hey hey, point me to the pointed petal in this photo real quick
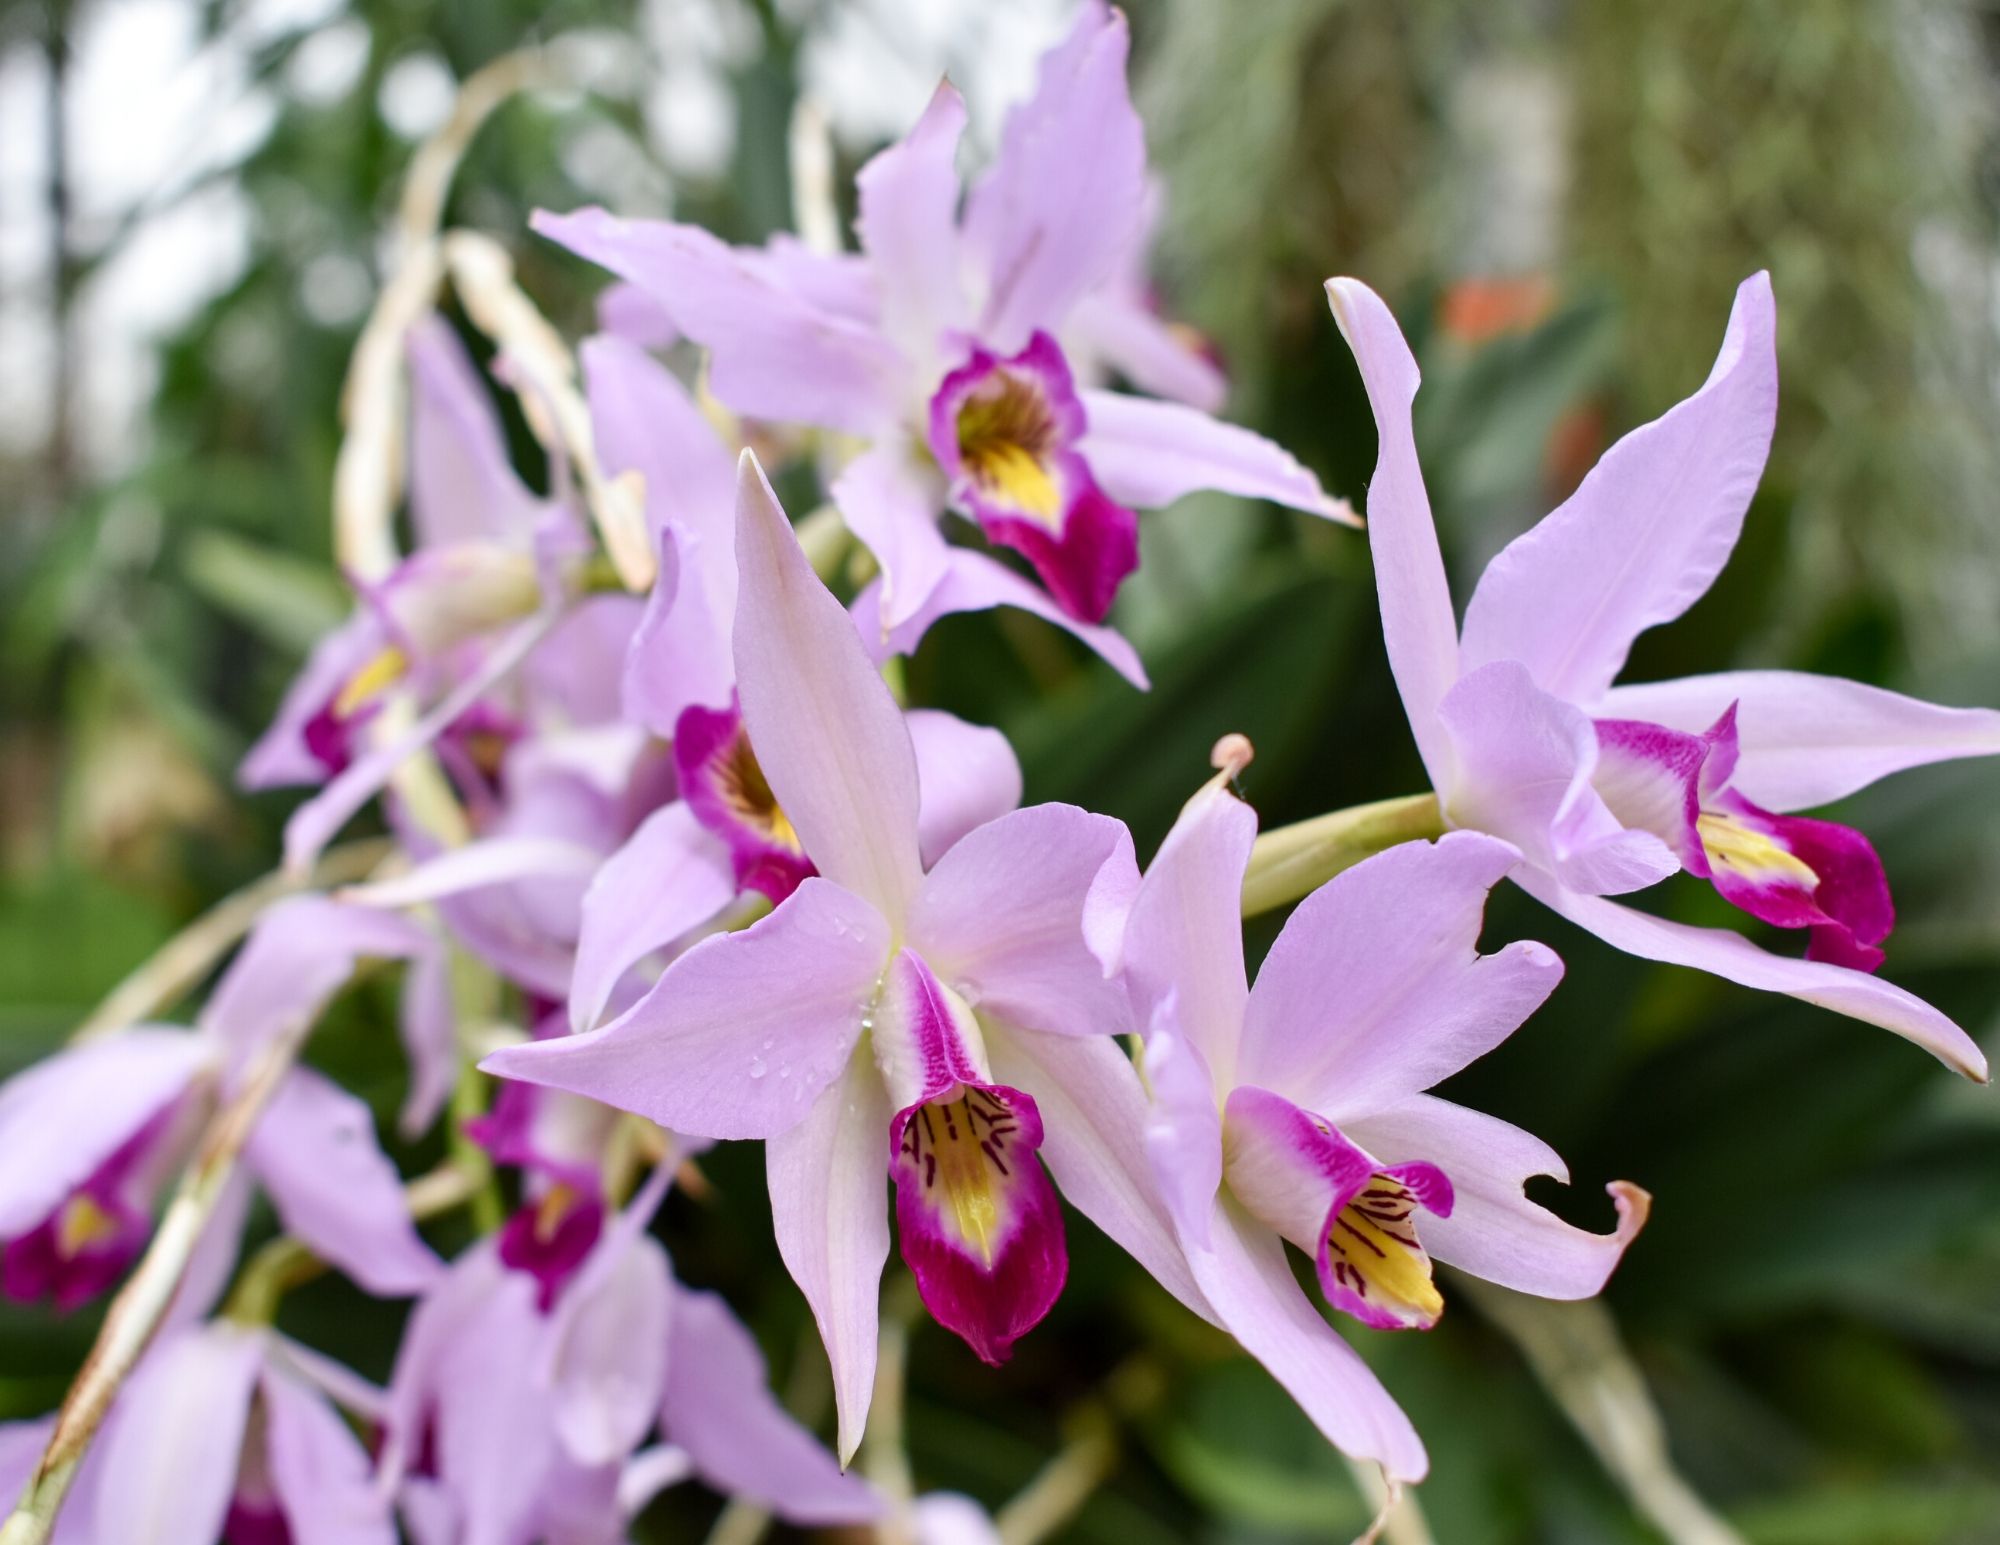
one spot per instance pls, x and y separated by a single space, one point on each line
174 1476
828 734
1376 988
428 1025
1735 959
1524 765
773 354
893 506
740 1033
1493 1230
1002 918
908 225
719 1407
315 1152
323 1477
1246 1276
830 1211
643 420
609 1352
1147 350
1148 453
669 878
974 582
1645 535
1809 740
463 487
490 861
1066 195
1094 1117
63 1118
1185 934
1417 619
679 656
967 775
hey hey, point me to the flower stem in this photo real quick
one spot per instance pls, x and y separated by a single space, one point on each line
1293 861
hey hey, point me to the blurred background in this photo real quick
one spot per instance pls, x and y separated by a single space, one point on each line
1558 198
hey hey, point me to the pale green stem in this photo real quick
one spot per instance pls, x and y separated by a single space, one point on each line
1294 861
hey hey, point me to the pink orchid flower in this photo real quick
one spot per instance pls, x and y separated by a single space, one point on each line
943 348
1608 789
950 1026
1295 1110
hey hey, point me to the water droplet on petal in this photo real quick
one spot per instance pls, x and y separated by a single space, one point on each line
756 1067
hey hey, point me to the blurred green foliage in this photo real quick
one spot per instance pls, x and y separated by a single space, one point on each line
1817 1300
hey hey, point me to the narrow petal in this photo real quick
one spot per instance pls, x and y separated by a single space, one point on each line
322 1476
668 879
63 1118
893 506
1002 919
1524 763
1066 195
772 353
1647 532
974 582
463 487
1185 934
428 1025
719 1407
1148 453
908 225
830 1212
609 1352
828 734
680 656
501 860
1150 352
1809 740
1736 959
315 1152
174 1476
740 1033
1418 624
1246 1276
967 775
1183 1125
1493 1230
1376 988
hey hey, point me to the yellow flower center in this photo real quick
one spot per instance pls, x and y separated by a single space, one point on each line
1004 434
81 1224
742 783
1375 1253
957 1145
1745 851
382 671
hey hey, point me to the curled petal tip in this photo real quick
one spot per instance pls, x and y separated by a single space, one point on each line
1232 754
1342 512
1635 1206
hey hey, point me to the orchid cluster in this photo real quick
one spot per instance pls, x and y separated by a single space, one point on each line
711 880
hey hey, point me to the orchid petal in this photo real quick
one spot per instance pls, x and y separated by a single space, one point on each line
321 1474
967 775
773 354
830 1211
609 1359
463 487
1148 454
284 754
1647 532
314 1150
1185 934
908 225
1376 988
1246 1276
718 1406
1524 763
496 1446
1184 1129
174 1476
827 733
1064 199
478 865
1147 350
1493 1230
974 582
63 1118
947 1518
212 1263
668 879
783 998
679 657
1418 624
428 1025
1809 740
892 506
1735 959
1002 919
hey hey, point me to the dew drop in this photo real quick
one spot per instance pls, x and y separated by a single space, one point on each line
757 1067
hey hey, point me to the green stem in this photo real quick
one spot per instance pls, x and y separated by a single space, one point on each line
1294 861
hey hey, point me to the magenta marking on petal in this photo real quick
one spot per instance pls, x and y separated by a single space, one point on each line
1797 872
728 793
550 1237
255 1523
1650 778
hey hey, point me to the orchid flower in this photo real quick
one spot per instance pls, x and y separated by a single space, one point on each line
942 351
1607 789
949 1025
521 1400
89 1137
1295 1110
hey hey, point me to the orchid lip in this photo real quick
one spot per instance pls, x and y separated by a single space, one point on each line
726 790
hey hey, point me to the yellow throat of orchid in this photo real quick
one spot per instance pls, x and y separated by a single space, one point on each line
1375 1252
949 1140
1004 431
1742 850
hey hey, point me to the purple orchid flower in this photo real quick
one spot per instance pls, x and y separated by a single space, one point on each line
1294 1110
517 1415
1608 789
943 349
949 1025
89 1137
